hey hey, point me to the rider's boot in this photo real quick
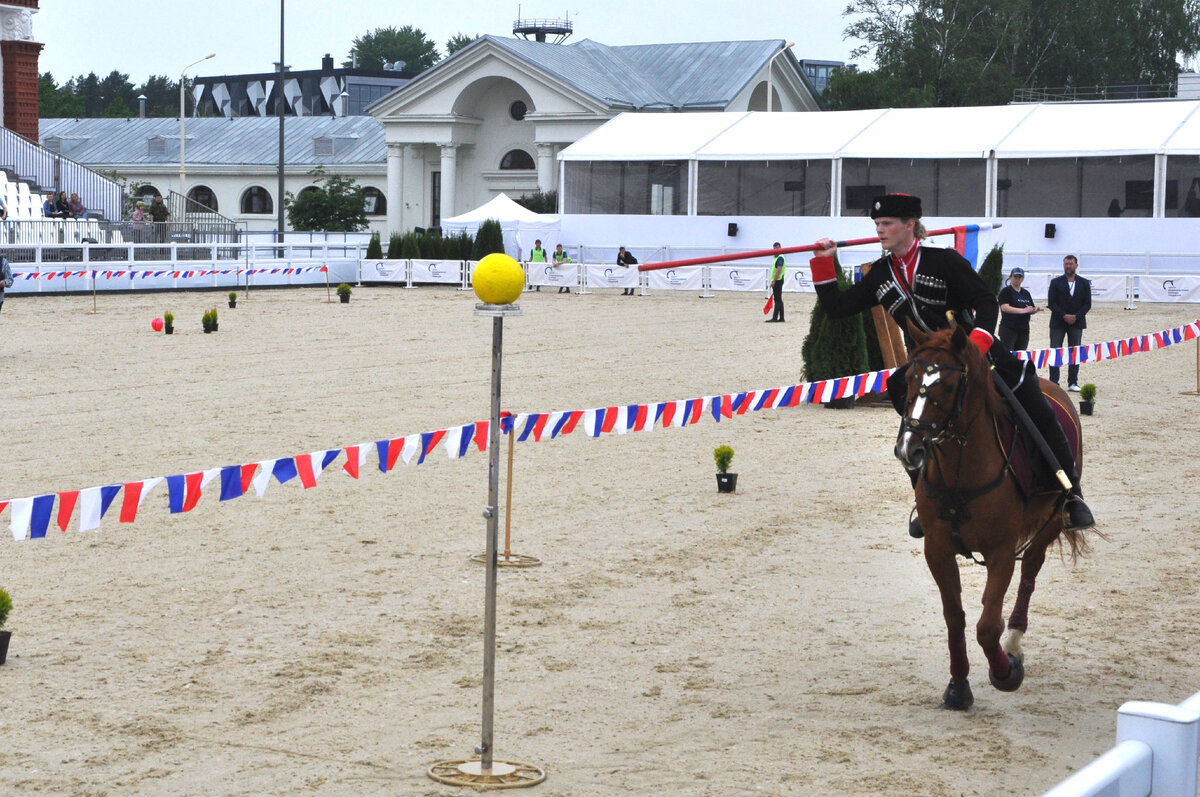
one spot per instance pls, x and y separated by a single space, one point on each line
1079 516
914 520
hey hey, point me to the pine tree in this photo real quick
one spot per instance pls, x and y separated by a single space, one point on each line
488 239
992 270
374 250
832 347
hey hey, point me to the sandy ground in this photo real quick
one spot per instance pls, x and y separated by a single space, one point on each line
784 640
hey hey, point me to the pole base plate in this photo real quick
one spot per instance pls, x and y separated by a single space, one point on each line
502 775
512 560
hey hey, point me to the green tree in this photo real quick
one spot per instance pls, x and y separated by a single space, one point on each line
374 250
992 269
457 42
410 246
489 238
540 201
116 90
395 244
407 44
337 206
57 102
162 96
976 52
832 347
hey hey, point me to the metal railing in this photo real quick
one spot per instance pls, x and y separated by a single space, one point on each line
52 171
1117 91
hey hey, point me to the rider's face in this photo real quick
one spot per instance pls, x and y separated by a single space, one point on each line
895 235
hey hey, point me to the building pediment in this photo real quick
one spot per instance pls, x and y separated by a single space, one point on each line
438 91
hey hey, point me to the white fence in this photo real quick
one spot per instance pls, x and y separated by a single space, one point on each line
1158 747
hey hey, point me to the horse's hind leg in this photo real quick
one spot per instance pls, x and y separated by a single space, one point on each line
1018 621
1005 672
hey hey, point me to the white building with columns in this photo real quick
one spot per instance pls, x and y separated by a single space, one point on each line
493 117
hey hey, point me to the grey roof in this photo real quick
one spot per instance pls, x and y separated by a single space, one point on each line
645 76
239 140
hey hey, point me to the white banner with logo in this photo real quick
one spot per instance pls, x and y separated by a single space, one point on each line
677 279
1169 289
384 271
738 278
798 280
446 271
565 275
612 277
1108 288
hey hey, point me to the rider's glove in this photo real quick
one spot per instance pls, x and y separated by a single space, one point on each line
981 339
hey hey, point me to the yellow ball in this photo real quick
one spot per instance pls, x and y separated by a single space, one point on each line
498 279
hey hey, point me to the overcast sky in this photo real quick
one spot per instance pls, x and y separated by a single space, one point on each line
161 37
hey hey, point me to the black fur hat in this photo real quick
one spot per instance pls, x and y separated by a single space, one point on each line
899 206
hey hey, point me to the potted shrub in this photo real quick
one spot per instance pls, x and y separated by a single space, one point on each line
209 320
1087 398
726 481
233 298
343 292
5 608
169 323
214 318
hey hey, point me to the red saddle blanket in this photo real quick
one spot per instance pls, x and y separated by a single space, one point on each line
1033 474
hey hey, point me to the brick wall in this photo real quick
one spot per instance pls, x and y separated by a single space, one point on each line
21 86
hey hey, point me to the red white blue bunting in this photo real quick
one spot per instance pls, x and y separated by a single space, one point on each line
31 518
147 273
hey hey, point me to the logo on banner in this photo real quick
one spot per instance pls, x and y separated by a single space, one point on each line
674 279
383 271
801 279
1172 291
434 271
737 280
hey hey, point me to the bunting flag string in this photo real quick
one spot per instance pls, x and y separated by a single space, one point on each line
30 518
147 273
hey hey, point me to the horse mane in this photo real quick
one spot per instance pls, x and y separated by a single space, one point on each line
979 377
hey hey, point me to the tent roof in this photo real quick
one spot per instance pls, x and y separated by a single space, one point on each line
1044 130
502 209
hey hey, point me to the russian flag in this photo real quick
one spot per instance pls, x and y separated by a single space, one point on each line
966 242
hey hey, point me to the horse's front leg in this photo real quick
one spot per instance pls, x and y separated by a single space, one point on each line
1004 670
939 556
1018 621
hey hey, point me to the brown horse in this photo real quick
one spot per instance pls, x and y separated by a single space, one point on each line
970 502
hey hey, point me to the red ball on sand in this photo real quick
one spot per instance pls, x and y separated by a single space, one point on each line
156 325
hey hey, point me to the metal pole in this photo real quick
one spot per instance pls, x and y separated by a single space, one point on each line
279 112
489 622
512 433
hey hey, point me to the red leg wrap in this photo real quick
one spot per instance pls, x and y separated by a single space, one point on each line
998 661
959 666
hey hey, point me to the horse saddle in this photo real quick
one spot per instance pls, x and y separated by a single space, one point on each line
1032 473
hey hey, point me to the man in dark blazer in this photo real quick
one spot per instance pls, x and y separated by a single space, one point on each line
1069 299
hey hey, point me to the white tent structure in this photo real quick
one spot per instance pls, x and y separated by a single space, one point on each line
521 226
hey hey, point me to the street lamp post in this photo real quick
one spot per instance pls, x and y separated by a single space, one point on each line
770 70
182 139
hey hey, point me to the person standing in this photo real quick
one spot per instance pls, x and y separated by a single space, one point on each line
6 278
1069 299
158 217
538 255
778 270
561 258
922 285
626 259
1016 305
139 221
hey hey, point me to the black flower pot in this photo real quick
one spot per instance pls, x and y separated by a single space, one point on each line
4 637
726 482
233 304
215 326
1086 407
169 330
345 297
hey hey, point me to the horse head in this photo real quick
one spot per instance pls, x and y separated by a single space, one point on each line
939 370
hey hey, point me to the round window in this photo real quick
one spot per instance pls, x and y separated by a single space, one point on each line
518 110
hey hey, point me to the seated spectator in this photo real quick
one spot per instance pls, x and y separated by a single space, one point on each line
50 208
3 210
75 206
63 206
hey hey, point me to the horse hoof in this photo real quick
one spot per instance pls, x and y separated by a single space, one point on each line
957 696
1012 681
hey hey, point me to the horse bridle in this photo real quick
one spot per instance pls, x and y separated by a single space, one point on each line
940 429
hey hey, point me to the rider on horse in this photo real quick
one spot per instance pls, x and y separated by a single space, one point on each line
922 284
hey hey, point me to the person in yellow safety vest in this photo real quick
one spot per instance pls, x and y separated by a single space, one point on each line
778 270
538 255
561 257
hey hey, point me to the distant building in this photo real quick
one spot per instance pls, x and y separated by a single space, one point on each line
819 72
313 92
19 65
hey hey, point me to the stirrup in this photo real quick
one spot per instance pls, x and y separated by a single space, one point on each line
914 525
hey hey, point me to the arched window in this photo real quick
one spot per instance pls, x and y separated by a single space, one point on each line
146 193
517 159
256 199
203 195
308 189
375 201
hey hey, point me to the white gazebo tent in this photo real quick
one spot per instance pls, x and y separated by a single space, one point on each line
521 226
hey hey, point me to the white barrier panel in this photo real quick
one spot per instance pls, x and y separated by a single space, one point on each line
384 271
1171 289
611 277
564 276
677 279
737 278
1108 287
441 271
798 280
